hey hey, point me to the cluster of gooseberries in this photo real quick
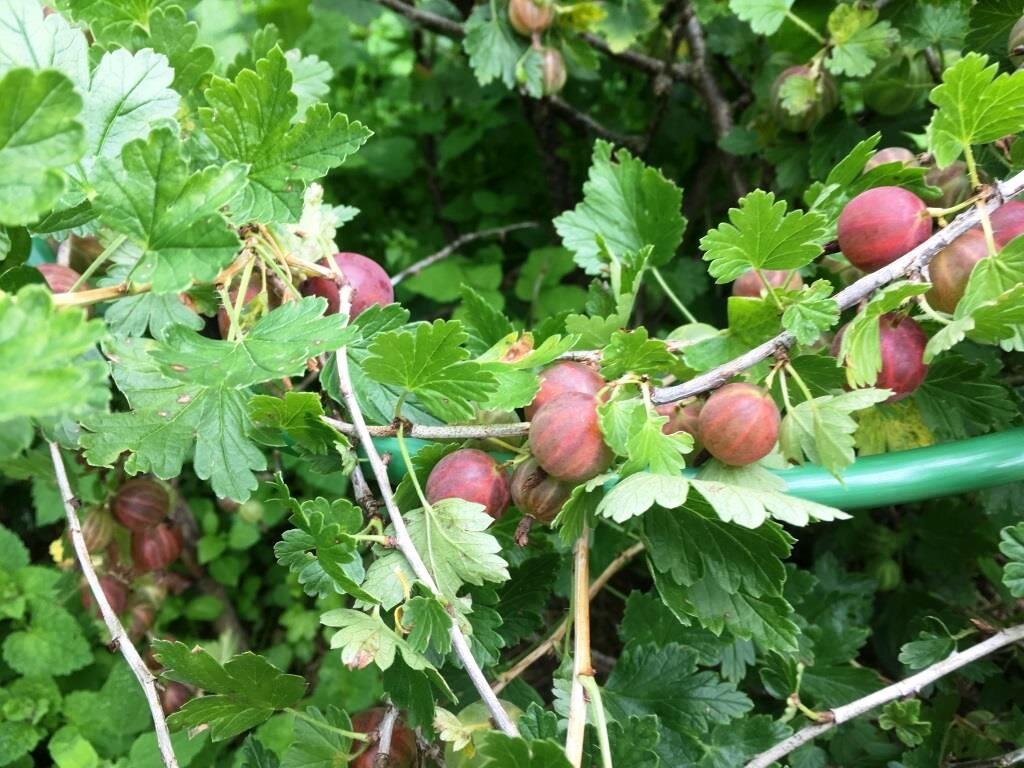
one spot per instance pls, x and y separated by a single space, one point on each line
531 19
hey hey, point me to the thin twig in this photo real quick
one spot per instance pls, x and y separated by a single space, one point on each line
649 64
582 665
1002 761
118 637
583 121
555 637
915 260
450 432
426 19
911 686
402 538
457 243
385 731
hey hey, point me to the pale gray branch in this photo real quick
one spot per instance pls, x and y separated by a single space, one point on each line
1003 761
118 636
911 686
910 262
455 244
402 538
384 733
449 432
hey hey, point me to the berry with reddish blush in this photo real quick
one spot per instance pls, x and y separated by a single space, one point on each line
891 155
739 424
174 696
566 439
529 18
953 183
536 493
1007 222
115 590
902 343
404 752
1015 43
98 530
749 284
470 475
153 549
561 377
552 71
951 268
143 616
825 99
141 503
370 284
59 278
880 225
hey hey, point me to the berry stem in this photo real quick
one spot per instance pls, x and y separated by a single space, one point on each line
799 382
325 726
404 451
600 722
672 296
805 27
768 287
116 243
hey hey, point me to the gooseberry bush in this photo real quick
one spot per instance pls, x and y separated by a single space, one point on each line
517 384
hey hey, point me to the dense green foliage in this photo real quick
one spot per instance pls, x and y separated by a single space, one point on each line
174 178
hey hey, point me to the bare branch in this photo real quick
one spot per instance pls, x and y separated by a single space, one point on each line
911 686
426 19
582 666
118 637
1003 761
385 731
582 120
403 540
457 243
452 432
649 64
913 261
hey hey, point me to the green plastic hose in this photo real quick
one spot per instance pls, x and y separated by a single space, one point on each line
874 481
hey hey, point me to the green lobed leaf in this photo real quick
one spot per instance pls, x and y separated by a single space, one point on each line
431 362
30 38
627 205
761 234
975 106
172 215
639 492
240 694
39 136
492 46
1012 546
904 718
961 398
859 40
498 750
45 371
633 352
51 643
811 312
250 121
764 16
634 431
317 743
428 625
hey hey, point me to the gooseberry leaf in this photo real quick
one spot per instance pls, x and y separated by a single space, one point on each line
318 741
798 93
637 493
428 624
861 347
975 106
498 750
1012 546
170 32
928 649
764 16
635 432
492 46
189 396
44 371
170 214
456 547
633 352
750 495
320 549
960 398
859 40
823 430
431 362
761 234
39 136
240 694
904 719
111 21
29 38
626 206
250 121
51 643
294 419
811 312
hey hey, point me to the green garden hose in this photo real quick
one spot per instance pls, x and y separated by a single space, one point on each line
875 481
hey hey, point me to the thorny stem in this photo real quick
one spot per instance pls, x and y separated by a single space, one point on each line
910 686
582 664
672 296
402 538
118 637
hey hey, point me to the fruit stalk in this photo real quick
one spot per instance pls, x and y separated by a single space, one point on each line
913 261
582 664
118 636
402 538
